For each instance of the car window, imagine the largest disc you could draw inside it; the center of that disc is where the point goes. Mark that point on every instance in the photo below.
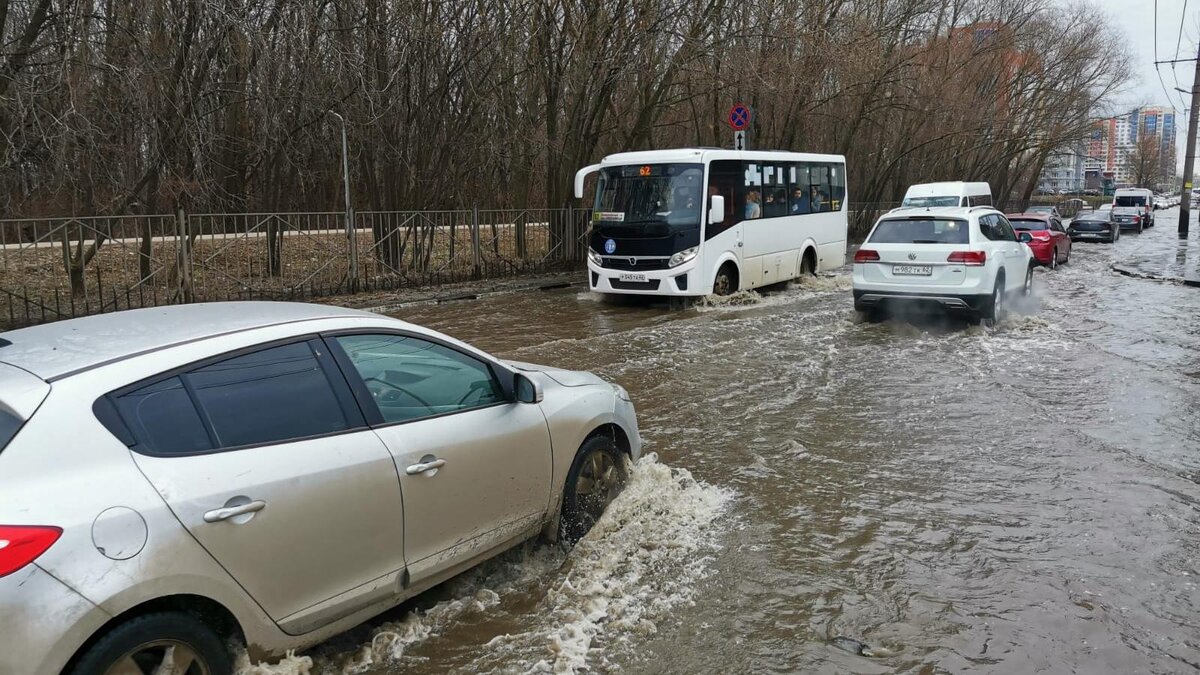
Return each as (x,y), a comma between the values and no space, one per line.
(987,227)
(1004,229)
(410,378)
(1029,224)
(10,424)
(276,394)
(163,418)
(920,231)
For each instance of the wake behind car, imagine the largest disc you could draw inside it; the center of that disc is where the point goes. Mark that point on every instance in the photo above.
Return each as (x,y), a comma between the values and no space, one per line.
(1098,225)
(963,260)
(269,473)
(1048,238)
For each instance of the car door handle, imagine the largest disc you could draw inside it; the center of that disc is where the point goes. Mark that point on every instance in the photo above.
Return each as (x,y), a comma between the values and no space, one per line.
(225,513)
(426,464)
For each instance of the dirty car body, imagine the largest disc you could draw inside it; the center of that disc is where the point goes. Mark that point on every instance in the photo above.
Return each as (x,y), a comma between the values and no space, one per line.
(284,471)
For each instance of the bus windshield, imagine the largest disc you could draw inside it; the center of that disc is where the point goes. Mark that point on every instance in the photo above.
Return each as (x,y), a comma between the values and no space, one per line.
(651,199)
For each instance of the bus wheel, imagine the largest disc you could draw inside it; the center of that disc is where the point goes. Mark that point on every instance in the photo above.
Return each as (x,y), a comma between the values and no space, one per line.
(808,264)
(726,281)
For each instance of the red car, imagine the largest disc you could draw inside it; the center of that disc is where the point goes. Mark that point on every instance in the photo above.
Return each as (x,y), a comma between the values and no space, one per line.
(1050,245)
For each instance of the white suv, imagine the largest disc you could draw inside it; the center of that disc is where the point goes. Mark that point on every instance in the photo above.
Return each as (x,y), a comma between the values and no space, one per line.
(965,260)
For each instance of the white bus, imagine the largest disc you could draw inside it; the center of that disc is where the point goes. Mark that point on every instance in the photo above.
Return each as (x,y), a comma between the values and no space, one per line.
(700,221)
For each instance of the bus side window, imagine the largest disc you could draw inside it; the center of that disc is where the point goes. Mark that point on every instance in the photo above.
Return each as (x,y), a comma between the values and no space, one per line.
(819,175)
(798,182)
(837,186)
(725,178)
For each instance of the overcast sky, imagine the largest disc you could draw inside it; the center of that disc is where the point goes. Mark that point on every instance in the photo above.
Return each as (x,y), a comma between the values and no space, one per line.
(1137,18)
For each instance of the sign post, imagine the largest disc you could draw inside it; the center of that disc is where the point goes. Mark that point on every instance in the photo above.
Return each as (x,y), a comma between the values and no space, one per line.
(739,119)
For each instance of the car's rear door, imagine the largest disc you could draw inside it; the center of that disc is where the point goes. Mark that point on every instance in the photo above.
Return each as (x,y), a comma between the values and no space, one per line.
(265,459)
(475,466)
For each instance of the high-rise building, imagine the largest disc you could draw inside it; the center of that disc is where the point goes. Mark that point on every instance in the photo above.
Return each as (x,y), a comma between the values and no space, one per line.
(1113,141)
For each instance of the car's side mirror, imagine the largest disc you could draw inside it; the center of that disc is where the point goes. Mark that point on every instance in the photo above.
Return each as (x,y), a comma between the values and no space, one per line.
(716,211)
(1024,237)
(527,390)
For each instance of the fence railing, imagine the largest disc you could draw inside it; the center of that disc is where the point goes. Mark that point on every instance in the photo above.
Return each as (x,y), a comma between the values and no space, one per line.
(55,268)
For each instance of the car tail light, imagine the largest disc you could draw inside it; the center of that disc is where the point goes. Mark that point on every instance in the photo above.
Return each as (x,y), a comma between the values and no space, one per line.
(22,544)
(863,255)
(968,257)
(1137,219)
(1041,236)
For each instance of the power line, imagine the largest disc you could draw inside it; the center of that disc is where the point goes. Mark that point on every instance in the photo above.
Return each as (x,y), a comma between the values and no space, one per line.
(1157,63)
(1178,39)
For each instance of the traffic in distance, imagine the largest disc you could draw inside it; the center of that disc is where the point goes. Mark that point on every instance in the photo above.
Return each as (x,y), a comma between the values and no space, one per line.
(221,434)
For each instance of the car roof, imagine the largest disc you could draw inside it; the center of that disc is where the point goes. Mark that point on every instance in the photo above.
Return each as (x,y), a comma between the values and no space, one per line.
(1029,215)
(55,350)
(946,211)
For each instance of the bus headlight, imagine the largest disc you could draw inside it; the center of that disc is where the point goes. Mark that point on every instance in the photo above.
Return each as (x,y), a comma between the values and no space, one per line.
(595,257)
(687,255)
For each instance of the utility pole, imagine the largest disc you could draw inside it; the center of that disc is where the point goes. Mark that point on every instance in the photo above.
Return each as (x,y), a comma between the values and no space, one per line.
(1189,158)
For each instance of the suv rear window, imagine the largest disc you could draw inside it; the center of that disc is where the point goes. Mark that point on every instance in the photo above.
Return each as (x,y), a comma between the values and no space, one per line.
(1028,224)
(10,424)
(921,231)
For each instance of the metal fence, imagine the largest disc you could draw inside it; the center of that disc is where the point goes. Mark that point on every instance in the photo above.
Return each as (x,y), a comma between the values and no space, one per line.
(55,268)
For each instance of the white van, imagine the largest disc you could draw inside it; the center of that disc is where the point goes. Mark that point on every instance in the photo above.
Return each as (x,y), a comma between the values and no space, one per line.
(951,193)
(1134,208)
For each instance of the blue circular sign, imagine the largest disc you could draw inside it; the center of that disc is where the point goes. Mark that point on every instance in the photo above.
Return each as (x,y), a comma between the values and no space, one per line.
(610,247)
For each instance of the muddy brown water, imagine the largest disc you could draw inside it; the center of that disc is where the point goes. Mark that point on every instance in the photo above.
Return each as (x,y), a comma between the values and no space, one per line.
(1017,499)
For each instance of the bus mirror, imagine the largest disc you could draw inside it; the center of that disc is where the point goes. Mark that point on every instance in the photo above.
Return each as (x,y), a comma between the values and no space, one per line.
(716,212)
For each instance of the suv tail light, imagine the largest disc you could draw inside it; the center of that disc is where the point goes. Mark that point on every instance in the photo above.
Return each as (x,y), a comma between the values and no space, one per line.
(863,255)
(22,544)
(968,257)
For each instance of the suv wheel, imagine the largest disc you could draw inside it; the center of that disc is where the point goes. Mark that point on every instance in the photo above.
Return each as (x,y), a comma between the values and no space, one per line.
(1028,287)
(993,307)
(166,642)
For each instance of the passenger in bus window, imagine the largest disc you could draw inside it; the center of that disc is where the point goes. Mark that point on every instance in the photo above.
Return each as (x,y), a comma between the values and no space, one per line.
(799,203)
(753,207)
(815,200)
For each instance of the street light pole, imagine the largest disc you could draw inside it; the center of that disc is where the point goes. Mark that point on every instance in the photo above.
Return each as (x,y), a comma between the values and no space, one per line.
(350,229)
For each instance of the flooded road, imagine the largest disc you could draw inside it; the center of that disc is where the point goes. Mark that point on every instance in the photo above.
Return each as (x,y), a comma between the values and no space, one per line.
(1017,499)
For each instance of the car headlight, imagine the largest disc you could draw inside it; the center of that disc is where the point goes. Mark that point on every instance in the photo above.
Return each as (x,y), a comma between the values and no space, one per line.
(621,393)
(595,257)
(686,255)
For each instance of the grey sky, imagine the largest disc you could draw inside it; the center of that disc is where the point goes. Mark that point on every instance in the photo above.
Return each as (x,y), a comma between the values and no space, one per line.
(1136,19)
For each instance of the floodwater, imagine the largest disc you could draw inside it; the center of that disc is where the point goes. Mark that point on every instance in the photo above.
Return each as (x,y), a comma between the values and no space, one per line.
(1024,498)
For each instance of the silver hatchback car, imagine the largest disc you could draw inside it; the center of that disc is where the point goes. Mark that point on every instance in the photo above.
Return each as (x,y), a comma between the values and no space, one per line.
(178,479)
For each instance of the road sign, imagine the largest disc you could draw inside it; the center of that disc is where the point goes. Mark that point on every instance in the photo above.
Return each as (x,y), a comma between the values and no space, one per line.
(739,116)
(739,139)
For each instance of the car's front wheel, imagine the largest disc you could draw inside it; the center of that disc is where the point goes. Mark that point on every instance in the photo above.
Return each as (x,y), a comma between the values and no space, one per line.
(595,478)
(164,642)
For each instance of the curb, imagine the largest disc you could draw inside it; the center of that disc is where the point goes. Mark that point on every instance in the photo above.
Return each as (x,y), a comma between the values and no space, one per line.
(545,285)
(1136,274)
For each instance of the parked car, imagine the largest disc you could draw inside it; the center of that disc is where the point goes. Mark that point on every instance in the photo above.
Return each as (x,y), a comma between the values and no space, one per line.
(277,473)
(966,261)
(1098,225)
(1048,238)
(1048,209)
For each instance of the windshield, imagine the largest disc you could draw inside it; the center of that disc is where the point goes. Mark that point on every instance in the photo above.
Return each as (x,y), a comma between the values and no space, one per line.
(1028,224)
(650,196)
(1130,201)
(929,202)
(920,231)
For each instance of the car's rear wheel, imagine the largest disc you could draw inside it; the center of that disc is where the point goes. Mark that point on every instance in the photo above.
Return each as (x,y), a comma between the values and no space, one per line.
(993,307)
(1028,287)
(165,642)
(1054,258)
(595,478)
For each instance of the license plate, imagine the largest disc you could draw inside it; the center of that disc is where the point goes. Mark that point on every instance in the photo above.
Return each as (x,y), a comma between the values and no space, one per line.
(912,270)
(632,276)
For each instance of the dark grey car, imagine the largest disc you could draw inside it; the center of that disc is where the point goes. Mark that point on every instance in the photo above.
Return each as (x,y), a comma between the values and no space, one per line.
(1095,226)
